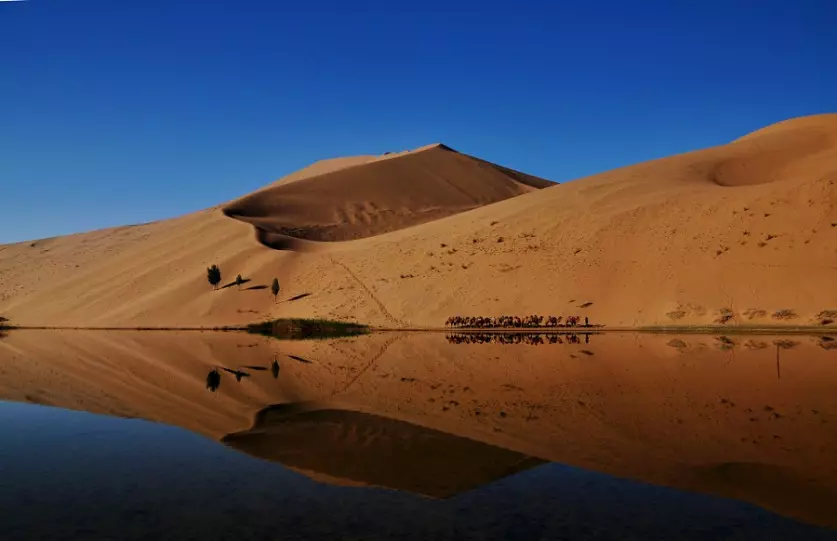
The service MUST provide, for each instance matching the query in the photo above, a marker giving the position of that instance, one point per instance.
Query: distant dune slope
(368, 198)
(744, 233)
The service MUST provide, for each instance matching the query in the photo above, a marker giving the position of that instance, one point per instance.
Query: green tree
(213, 275)
(274, 288)
(238, 281)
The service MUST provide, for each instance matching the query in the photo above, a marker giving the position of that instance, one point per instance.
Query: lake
(192, 435)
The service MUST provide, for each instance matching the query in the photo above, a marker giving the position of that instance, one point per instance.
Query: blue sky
(126, 112)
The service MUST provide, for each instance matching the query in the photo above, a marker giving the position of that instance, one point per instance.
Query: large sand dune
(747, 229)
(363, 198)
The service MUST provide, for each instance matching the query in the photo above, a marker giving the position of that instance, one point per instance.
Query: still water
(123, 435)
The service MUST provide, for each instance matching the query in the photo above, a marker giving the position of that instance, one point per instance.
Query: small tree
(274, 288)
(213, 275)
(238, 281)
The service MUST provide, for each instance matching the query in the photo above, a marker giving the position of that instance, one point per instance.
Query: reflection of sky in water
(81, 476)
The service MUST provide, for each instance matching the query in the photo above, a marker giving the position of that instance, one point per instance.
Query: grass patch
(785, 344)
(813, 330)
(784, 314)
(307, 329)
(725, 315)
(754, 313)
(725, 343)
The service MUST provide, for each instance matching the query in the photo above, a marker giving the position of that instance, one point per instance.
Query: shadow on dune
(347, 447)
(239, 374)
(233, 284)
(255, 288)
(298, 297)
(300, 359)
(281, 241)
(376, 197)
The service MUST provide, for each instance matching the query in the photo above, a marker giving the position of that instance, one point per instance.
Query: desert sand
(741, 232)
(700, 413)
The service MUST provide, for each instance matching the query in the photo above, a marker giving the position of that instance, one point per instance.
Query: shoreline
(695, 329)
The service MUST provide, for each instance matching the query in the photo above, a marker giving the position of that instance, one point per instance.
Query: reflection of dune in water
(771, 487)
(654, 408)
(347, 447)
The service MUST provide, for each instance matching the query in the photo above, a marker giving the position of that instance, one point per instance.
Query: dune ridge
(372, 197)
(740, 234)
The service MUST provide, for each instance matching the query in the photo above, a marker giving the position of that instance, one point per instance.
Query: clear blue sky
(116, 112)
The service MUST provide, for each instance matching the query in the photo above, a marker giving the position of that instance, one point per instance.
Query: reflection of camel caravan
(514, 322)
(532, 339)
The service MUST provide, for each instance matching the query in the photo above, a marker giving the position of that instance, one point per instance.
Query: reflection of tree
(237, 373)
(828, 342)
(213, 380)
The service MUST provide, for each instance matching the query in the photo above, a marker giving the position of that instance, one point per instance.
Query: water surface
(416, 436)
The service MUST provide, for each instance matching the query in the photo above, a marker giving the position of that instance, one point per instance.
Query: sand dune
(744, 233)
(373, 197)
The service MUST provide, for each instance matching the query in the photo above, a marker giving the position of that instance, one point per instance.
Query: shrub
(725, 315)
(784, 314)
(274, 288)
(213, 276)
(753, 313)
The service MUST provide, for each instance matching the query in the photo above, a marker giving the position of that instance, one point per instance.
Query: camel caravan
(532, 339)
(515, 322)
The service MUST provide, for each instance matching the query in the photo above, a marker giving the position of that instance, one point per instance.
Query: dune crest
(799, 148)
(376, 196)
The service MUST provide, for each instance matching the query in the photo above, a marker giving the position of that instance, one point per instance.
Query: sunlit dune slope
(744, 233)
